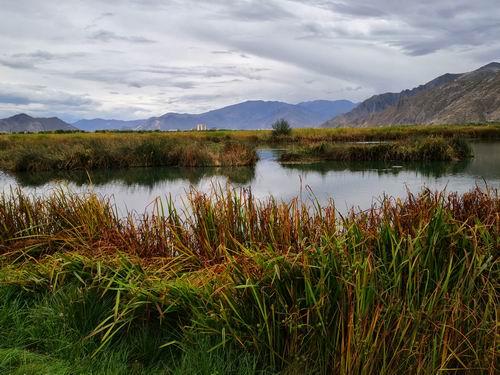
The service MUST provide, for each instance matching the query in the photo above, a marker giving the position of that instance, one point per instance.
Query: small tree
(281, 127)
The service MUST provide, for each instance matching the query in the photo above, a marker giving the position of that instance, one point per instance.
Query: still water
(357, 184)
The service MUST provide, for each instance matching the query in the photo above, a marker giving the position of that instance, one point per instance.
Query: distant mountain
(25, 123)
(255, 114)
(327, 108)
(102, 124)
(472, 97)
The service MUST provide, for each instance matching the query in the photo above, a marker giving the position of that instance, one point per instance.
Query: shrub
(281, 128)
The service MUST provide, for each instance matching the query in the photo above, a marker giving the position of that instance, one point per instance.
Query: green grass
(246, 286)
(423, 149)
(50, 332)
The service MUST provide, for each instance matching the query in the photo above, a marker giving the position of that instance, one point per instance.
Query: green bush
(281, 128)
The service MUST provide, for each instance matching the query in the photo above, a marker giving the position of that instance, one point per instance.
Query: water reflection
(144, 177)
(349, 184)
(435, 169)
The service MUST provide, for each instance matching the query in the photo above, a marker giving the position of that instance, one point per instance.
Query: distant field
(398, 132)
(67, 151)
(340, 134)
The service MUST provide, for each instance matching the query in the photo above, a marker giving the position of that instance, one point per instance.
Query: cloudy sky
(132, 59)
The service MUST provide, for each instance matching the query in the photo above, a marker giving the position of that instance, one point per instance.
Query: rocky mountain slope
(25, 123)
(472, 97)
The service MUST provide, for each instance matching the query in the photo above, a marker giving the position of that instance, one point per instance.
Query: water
(356, 184)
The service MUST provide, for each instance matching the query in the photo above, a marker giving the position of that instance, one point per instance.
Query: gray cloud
(42, 101)
(7, 98)
(21, 94)
(418, 28)
(95, 58)
(29, 60)
(256, 10)
(98, 19)
(169, 76)
(357, 10)
(224, 52)
(107, 36)
(17, 64)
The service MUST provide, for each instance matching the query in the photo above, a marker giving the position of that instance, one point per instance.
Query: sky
(133, 59)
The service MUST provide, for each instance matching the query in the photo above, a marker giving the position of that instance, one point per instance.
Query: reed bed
(424, 149)
(58, 152)
(408, 286)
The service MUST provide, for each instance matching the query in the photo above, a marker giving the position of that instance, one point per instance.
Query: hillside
(472, 97)
(25, 123)
(103, 124)
(255, 114)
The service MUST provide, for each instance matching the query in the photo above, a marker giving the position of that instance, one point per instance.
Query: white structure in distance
(201, 127)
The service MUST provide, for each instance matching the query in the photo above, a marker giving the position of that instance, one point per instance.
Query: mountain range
(24, 123)
(256, 114)
(107, 124)
(472, 97)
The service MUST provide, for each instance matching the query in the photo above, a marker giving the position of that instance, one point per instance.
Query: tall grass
(86, 152)
(408, 286)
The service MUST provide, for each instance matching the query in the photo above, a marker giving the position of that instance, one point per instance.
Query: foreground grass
(242, 286)
(84, 151)
(423, 149)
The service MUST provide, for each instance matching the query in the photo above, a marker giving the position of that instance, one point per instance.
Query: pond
(353, 184)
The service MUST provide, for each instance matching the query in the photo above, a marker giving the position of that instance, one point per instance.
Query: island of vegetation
(46, 152)
(423, 149)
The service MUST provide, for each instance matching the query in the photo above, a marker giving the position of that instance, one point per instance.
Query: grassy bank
(423, 149)
(96, 151)
(240, 286)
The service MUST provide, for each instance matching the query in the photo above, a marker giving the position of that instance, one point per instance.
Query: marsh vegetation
(421, 149)
(409, 286)
(84, 151)
(230, 283)
(103, 151)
